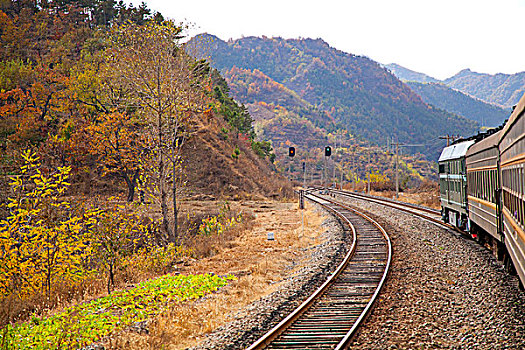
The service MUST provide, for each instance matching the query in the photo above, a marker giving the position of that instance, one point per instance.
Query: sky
(435, 37)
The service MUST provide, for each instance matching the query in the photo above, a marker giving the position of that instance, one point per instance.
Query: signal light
(328, 151)
(291, 151)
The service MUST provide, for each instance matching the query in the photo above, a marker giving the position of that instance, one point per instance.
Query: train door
(498, 199)
(447, 171)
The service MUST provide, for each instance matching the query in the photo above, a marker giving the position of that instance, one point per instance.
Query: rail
(332, 314)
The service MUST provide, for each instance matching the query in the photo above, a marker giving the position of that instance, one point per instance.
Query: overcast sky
(436, 37)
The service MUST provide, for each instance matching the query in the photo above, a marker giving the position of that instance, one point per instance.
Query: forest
(98, 101)
(354, 92)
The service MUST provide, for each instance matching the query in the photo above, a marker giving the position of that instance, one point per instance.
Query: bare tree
(168, 87)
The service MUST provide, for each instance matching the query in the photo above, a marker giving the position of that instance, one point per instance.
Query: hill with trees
(446, 98)
(500, 89)
(347, 92)
(106, 125)
(405, 74)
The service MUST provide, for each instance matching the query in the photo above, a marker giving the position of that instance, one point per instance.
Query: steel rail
(388, 200)
(307, 333)
(405, 207)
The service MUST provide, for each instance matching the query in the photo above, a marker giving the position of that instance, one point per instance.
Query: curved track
(429, 214)
(330, 316)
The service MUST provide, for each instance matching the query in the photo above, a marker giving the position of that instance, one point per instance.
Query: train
(482, 189)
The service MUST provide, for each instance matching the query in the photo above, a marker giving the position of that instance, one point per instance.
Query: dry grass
(260, 265)
(427, 194)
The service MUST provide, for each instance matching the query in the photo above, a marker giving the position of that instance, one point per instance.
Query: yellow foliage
(376, 176)
(40, 241)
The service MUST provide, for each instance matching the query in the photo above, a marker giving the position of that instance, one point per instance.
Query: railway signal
(328, 151)
(291, 151)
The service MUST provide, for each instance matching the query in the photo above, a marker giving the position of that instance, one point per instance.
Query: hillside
(355, 93)
(446, 98)
(120, 155)
(405, 74)
(501, 89)
(301, 125)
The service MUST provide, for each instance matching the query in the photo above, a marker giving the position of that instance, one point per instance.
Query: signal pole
(304, 174)
(322, 173)
(333, 176)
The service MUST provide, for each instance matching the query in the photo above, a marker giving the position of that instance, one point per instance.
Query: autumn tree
(169, 93)
(42, 240)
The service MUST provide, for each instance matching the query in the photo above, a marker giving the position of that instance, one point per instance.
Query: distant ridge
(444, 97)
(501, 89)
(405, 74)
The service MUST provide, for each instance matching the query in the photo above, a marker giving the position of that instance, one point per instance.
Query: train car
(512, 165)
(483, 196)
(453, 184)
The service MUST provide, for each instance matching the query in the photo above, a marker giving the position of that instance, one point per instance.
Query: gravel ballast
(444, 291)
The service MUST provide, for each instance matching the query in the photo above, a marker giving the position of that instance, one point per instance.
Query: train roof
(488, 142)
(455, 151)
(518, 110)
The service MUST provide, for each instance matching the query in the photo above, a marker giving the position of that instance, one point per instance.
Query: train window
(514, 180)
(478, 187)
(515, 206)
(521, 180)
(522, 211)
(493, 186)
(484, 186)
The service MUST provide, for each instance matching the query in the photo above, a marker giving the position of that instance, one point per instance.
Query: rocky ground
(444, 292)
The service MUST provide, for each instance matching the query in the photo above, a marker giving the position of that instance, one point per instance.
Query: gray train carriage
(512, 164)
(453, 183)
(483, 199)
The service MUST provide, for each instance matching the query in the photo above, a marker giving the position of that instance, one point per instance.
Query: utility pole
(397, 170)
(354, 175)
(341, 177)
(397, 144)
(449, 138)
(369, 170)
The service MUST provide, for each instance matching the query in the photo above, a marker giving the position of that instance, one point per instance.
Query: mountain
(444, 97)
(405, 74)
(502, 89)
(338, 90)
(288, 120)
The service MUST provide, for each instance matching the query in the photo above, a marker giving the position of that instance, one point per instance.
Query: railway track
(428, 214)
(331, 315)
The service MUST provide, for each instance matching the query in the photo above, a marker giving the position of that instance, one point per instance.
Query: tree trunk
(165, 228)
(111, 276)
(174, 193)
(131, 188)
(132, 183)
